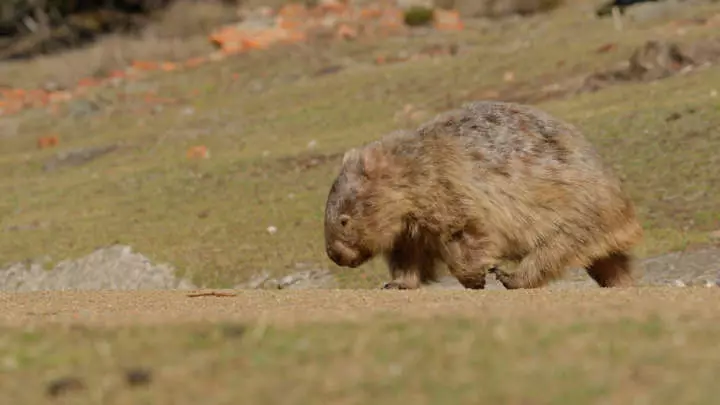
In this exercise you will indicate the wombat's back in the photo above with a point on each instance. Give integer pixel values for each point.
(514, 140)
(524, 172)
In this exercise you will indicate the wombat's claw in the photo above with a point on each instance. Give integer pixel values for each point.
(507, 280)
(394, 285)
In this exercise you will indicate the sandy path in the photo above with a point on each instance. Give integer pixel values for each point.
(165, 307)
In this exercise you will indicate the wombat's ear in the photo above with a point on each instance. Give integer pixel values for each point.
(352, 154)
(374, 161)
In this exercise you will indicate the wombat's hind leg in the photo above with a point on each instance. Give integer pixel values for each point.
(468, 259)
(613, 270)
(541, 266)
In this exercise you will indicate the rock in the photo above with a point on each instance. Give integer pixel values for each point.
(112, 268)
(301, 280)
(652, 11)
(64, 385)
(77, 157)
(496, 8)
(138, 376)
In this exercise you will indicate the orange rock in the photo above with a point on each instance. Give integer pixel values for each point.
(193, 62)
(346, 32)
(60, 96)
(295, 36)
(332, 7)
(117, 74)
(89, 82)
(289, 23)
(447, 20)
(391, 21)
(169, 66)
(198, 152)
(293, 10)
(370, 13)
(47, 141)
(145, 65)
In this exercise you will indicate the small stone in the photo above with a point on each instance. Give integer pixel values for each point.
(312, 144)
(64, 385)
(271, 230)
(286, 281)
(673, 117)
(138, 376)
(713, 93)
(679, 283)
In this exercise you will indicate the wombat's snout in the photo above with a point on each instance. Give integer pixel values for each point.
(342, 255)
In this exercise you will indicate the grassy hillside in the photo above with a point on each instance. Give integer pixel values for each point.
(277, 121)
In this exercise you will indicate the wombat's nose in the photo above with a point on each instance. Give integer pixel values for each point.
(340, 254)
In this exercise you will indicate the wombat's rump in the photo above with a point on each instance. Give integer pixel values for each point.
(490, 182)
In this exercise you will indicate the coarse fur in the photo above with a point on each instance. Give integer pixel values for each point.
(487, 183)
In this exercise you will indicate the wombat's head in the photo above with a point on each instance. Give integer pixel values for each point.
(361, 214)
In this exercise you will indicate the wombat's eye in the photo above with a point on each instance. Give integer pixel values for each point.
(344, 219)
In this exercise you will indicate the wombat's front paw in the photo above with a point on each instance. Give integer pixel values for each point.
(509, 281)
(395, 285)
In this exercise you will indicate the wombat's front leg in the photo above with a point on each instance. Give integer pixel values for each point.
(410, 266)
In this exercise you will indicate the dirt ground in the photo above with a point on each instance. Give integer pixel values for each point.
(174, 307)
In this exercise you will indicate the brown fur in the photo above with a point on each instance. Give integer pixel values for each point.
(486, 183)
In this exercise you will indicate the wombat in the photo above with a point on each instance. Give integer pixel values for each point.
(487, 183)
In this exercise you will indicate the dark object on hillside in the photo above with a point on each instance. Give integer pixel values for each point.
(606, 9)
(418, 16)
(64, 385)
(479, 187)
(138, 376)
